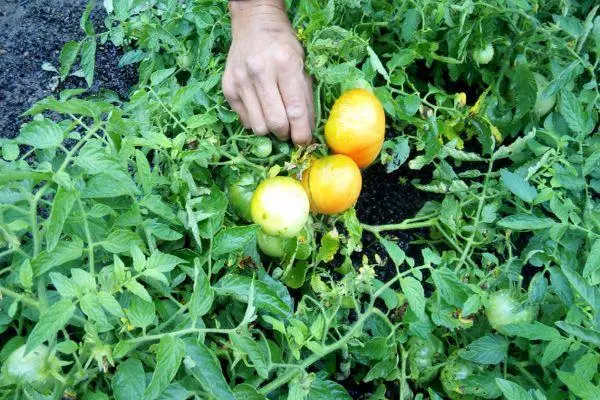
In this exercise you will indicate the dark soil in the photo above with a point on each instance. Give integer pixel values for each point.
(387, 199)
(33, 32)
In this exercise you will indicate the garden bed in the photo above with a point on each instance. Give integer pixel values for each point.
(137, 254)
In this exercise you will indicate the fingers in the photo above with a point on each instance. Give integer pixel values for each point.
(273, 109)
(234, 100)
(293, 88)
(310, 101)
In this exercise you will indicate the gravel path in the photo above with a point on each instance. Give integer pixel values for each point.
(33, 32)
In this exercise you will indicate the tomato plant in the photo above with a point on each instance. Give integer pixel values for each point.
(132, 267)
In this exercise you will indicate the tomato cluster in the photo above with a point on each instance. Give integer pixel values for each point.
(329, 185)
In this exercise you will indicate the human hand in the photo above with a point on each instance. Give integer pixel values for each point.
(264, 79)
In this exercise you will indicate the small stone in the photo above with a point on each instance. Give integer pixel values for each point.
(2, 52)
(26, 54)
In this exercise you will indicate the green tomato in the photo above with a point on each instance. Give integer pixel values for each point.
(453, 377)
(262, 147)
(543, 104)
(273, 246)
(484, 55)
(185, 60)
(502, 309)
(280, 206)
(33, 368)
(423, 355)
(240, 196)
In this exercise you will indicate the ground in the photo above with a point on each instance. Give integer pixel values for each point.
(33, 32)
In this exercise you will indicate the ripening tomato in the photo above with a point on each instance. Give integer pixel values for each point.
(484, 55)
(34, 368)
(240, 195)
(503, 309)
(280, 206)
(333, 184)
(356, 126)
(543, 104)
(273, 246)
(454, 376)
(423, 357)
(262, 147)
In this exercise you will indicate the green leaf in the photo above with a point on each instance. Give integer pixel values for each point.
(64, 286)
(44, 134)
(88, 59)
(102, 185)
(140, 291)
(592, 263)
(203, 295)
(413, 290)
(62, 253)
(395, 152)
(525, 222)
(129, 381)
(61, 208)
(257, 352)
(381, 370)
(141, 313)
(168, 359)
(395, 252)
(234, 239)
(591, 294)
(200, 120)
(585, 334)
(572, 110)
(110, 304)
(121, 240)
(553, 350)
(512, 391)
(525, 89)
(94, 159)
(26, 274)
(67, 57)
(159, 76)
(53, 319)
(489, 349)
(412, 19)
(533, 331)
(266, 299)
(90, 305)
(326, 390)
(518, 186)
(247, 392)
(204, 366)
(330, 245)
(578, 386)
(132, 57)
(376, 63)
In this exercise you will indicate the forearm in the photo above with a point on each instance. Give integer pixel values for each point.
(242, 11)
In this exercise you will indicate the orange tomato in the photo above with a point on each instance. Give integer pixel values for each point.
(332, 183)
(356, 126)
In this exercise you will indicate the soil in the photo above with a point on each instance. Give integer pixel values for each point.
(33, 32)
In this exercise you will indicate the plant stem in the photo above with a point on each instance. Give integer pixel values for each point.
(285, 378)
(404, 225)
(182, 332)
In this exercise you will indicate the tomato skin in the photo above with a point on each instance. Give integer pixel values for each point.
(280, 206)
(502, 309)
(543, 104)
(423, 355)
(356, 126)
(240, 196)
(32, 368)
(333, 184)
(453, 377)
(185, 60)
(262, 147)
(273, 246)
(484, 55)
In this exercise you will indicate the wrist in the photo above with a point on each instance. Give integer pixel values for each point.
(267, 11)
